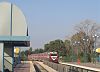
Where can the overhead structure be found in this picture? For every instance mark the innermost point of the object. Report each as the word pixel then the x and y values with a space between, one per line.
pixel 13 33
pixel 12 21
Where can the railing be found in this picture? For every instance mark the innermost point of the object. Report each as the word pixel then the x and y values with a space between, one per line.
pixel 82 68
pixel 7 57
pixel 68 67
pixel 7 65
pixel 7 61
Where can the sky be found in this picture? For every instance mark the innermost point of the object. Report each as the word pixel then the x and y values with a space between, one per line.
pixel 49 20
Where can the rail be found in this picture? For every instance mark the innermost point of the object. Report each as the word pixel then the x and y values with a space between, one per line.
pixel 39 68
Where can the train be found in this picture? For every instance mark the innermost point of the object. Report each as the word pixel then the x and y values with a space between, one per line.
pixel 48 56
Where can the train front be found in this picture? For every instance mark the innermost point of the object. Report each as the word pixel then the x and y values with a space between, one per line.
pixel 53 57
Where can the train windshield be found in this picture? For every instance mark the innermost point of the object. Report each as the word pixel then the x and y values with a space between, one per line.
pixel 53 54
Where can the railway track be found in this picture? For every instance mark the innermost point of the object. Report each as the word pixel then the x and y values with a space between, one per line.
pixel 39 68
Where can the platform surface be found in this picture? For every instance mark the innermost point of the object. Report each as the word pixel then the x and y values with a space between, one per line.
pixel 25 67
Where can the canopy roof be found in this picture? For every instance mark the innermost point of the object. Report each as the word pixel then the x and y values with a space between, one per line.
pixel 12 20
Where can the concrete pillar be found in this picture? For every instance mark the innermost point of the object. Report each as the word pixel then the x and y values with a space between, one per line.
pixel 1 56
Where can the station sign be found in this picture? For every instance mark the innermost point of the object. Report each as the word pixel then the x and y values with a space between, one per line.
pixel 98 50
pixel 16 50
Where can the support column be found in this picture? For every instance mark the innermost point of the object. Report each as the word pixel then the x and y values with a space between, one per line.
pixel 1 57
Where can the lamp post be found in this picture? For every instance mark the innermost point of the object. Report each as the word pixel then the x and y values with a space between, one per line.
pixel 94 49
pixel 78 50
pixel 85 48
pixel 72 52
pixel 74 44
pixel 77 44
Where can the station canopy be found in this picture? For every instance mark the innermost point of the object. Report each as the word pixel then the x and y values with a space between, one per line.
pixel 12 20
pixel 13 26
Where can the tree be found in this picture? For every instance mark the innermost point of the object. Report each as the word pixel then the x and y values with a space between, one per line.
pixel 41 50
pixel 23 56
pixel 88 28
pixel 38 50
pixel 77 45
pixel 30 50
pixel 26 52
pixel 67 46
pixel 56 45
pixel 46 47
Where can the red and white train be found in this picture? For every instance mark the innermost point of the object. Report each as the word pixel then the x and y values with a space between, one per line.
pixel 50 56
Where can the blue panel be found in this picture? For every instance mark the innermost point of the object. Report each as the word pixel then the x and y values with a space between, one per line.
pixel 14 38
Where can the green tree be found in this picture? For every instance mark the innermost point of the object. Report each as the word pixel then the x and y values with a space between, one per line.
pixel 56 45
pixel 41 50
pixel 46 47
pixel 38 50
pixel 26 52
pixel 23 56
pixel 67 46
pixel 30 50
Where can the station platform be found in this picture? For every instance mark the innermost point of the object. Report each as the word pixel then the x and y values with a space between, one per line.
pixel 25 66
